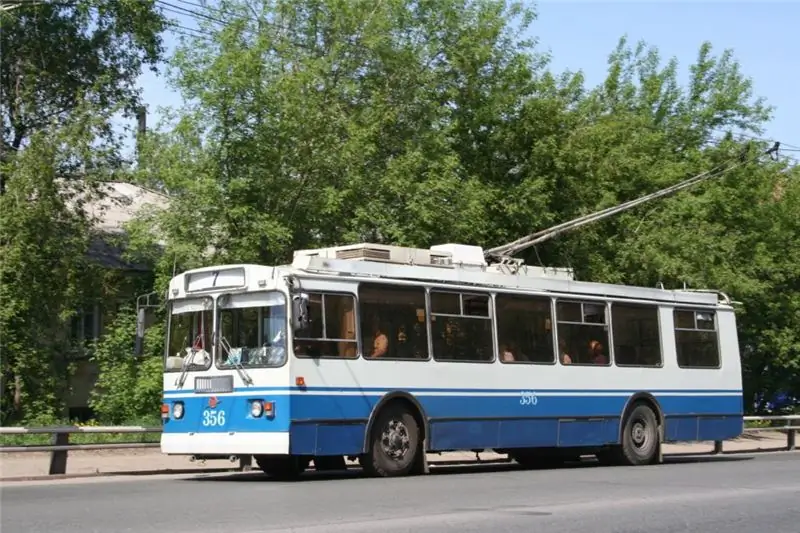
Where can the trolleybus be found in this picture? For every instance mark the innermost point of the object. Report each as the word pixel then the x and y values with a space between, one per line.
pixel 387 354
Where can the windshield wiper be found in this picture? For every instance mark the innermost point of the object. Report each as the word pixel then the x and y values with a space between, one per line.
pixel 223 342
pixel 188 360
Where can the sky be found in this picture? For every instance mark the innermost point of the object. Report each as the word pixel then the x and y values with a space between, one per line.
pixel 580 34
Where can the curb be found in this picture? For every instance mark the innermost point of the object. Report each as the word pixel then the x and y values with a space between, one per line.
pixel 434 463
pixel 162 472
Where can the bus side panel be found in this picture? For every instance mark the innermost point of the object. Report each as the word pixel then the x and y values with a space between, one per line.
pixel 702 417
pixel 320 438
pixel 503 421
pixel 527 433
pixel 326 421
pixel 699 428
pixel 334 421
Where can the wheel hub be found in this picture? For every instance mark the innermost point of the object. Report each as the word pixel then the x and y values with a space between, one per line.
pixel 395 440
pixel 639 434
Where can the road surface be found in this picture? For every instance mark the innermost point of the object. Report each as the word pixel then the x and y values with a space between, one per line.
pixel 729 494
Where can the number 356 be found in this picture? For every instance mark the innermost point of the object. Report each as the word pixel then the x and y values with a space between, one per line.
pixel 528 397
pixel 213 418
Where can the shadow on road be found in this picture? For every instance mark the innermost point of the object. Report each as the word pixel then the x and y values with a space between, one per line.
pixel 441 469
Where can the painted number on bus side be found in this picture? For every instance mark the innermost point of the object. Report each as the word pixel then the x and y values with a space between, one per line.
pixel 528 397
pixel 213 418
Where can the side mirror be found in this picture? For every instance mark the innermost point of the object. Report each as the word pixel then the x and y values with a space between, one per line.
pixel 140 326
pixel 299 311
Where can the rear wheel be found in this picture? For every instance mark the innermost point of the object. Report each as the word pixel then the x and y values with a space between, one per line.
pixel 283 467
pixel 394 443
pixel 640 439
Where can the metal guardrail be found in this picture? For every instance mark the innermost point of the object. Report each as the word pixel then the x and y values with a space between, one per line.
pixel 790 429
pixel 60 445
pixel 60 440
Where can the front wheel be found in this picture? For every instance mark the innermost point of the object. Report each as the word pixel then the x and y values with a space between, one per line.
pixel 394 444
pixel 639 437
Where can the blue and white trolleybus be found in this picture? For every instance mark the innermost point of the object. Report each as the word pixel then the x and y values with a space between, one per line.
pixel 387 353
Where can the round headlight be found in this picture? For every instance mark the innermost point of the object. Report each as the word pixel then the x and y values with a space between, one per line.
pixel 177 410
pixel 256 408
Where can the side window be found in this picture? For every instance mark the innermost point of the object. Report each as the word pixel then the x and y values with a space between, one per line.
pixel 636 338
pixel 696 339
pixel 332 328
pixel 582 333
pixel 524 329
pixel 461 327
pixel 393 322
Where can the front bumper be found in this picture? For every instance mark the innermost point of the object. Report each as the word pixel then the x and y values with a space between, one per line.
pixel 251 443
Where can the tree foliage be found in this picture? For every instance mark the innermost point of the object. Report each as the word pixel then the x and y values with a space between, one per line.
pixel 45 234
pixel 128 388
pixel 65 69
pixel 321 122
pixel 56 56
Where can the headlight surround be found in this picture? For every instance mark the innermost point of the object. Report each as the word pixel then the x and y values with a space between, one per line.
pixel 256 408
pixel 177 410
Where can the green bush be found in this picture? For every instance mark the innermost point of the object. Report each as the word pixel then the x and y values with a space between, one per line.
pixel 128 387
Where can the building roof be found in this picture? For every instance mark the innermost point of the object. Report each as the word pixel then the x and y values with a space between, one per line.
pixel 120 203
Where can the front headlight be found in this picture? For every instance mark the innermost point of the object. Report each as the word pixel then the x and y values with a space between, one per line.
pixel 256 408
pixel 177 410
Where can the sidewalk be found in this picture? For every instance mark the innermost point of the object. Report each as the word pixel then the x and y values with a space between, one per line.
pixel 25 465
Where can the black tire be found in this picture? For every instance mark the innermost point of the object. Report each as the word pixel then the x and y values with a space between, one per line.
pixel 640 437
pixel 283 467
pixel 394 444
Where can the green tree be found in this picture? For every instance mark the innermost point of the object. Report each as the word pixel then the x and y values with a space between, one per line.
pixel 54 56
pixel 640 131
pixel 45 234
pixel 321 122
pixel 128 388
pixel 65 69
pixel 301 110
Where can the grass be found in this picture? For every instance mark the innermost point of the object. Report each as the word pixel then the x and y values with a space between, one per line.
pixel 88 438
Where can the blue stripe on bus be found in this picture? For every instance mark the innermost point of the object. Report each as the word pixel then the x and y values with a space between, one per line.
pixel 418 390
pixel 336 424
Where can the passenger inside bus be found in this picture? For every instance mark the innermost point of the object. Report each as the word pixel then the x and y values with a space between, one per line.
pixel 562 353
pixel 596 353
pixel 380 342
pixel 506 353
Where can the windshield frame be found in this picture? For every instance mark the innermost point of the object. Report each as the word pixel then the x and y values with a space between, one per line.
pixel 207 303
pixel 233 301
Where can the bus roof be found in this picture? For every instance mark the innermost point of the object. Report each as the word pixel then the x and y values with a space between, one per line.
pixel 466 265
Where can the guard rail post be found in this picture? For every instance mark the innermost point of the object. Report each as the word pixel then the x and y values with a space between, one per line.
pixel 717 447
pixel 790 436
pixel 58 457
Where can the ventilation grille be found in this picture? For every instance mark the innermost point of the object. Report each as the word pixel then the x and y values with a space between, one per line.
pixel 376 254
pixel 213 384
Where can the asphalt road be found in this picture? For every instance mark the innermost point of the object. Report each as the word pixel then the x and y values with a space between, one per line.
pixel 740 494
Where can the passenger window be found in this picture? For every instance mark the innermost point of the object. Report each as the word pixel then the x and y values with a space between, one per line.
pixel 582 333
pixel 332 328
pixel 524 329
pixel 696 339
pixel 461 326
pixel 636 335
pixel 393 322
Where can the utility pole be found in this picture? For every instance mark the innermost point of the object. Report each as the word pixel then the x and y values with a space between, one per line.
pixel 141 119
